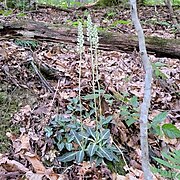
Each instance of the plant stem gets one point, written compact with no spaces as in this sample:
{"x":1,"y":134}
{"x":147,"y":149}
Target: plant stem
{"x":80,"y":103}
{"x":81,"y":50}
{"x":93,"y":83}
{"x":97,"y":80}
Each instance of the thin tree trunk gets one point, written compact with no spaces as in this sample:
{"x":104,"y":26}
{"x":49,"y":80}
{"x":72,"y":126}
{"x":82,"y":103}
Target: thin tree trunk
{"x":147,"y":93}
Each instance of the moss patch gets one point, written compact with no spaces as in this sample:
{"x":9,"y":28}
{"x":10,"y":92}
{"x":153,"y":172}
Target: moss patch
{"x":117,"y":167}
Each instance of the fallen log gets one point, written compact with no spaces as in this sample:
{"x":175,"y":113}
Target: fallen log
{"x":107,"y":40}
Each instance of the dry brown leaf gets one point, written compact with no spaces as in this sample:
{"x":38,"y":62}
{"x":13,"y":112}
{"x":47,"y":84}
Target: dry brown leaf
{"x":135,"y":164}
{"x":32,"y":176}
{"x":118,"y":177}
{"x":104,"y":106}
{"x":41,"y":110}
{"x":24,"y":139}
{"x":21,"y":143}
{"x":170,"y":141}
{"x":50,"y":174}
{"x":25,"y":110}
{"x":129,"y":176}
{"x":53,"y":176}
{"x":64,"y":95}
{"x":12,"y":165}
{"x":39,"y":168}
{"x":72,"y":94}
{"x":88,"y":122}
{"x":137,"y":93}
{"x":36,"y":163}
{"x":48,"y":55}
{"x":15,"y":141}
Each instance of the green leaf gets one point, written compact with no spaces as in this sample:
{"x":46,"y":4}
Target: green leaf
{"x":91,"y":104}
{"x":166,"y":163}
{"x":107,"y":120}
{"x":157,"y":130}
{"x":130,"y":121}
{"x":69,"y":137}
{"x":105,"y":134}
{"x":159,"y":64}
{"x":59,"y":137}
{"x":70,"y":107}
{"x":110,"y":101}
{"x":48,"y":131}
{"x":164,"y":23}
{"x":101,"y":91}
{"x":99,"y":153}
{"x":74,"y":100}
{"x":134,"y":101}
{"x":62,"y":130}
{"x":21,"y":14}
{"x":103,"y":152}
{"x":175,"y":159}
{"x":171,"y":131}
{"x":91,"y":132}
{"x":108,"y":96}
{"x":92,"y":111}
{"x":163,"y":162}
{"x":92,"y":149}
{"x":159,"y":73}
{"x":61,"y":118}
{"x":77,"y":137}
{"x":68,"y":146}
{"x":124,"y":111}
{"x":90,"y":96}
{"x":75,"y":24}
{"x":84,"y":135}
{"x":176,"y":154}
{"x":113,"y":148}
{"x":69,"y":156}
{"x":115,"y":23}
{"x":7,"y":12}
{"x":114,"y":157}
{"x":60,"y":146}
{"x":135,"y":115}
{"x":98,"y":160}
{"x":165,"y":173}
{"x":159,"y":118}
{"x":80,"y":156}
{"x":72,"y":126}
{"x":104,"y":142}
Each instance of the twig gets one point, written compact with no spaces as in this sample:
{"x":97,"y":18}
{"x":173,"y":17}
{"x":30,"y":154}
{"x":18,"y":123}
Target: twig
{"x":127,"y":167}
{"x":55,"y":94}
{"x":43,"y":80}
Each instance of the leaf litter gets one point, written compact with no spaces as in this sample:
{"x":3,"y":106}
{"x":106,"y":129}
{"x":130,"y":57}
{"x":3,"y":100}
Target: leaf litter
{"x":58,"y":63}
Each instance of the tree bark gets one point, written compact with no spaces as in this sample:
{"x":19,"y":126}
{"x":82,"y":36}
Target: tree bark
{"x":107,"y":40}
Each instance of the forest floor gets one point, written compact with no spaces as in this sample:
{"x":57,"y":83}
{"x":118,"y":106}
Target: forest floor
{"x":27,"y":107}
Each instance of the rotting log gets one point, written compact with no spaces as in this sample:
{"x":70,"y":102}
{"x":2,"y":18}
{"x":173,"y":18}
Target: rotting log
{"x":107,"y":40}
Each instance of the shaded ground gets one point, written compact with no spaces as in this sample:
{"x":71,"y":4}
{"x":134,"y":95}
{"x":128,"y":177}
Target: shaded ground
{"x":26,"y":103}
